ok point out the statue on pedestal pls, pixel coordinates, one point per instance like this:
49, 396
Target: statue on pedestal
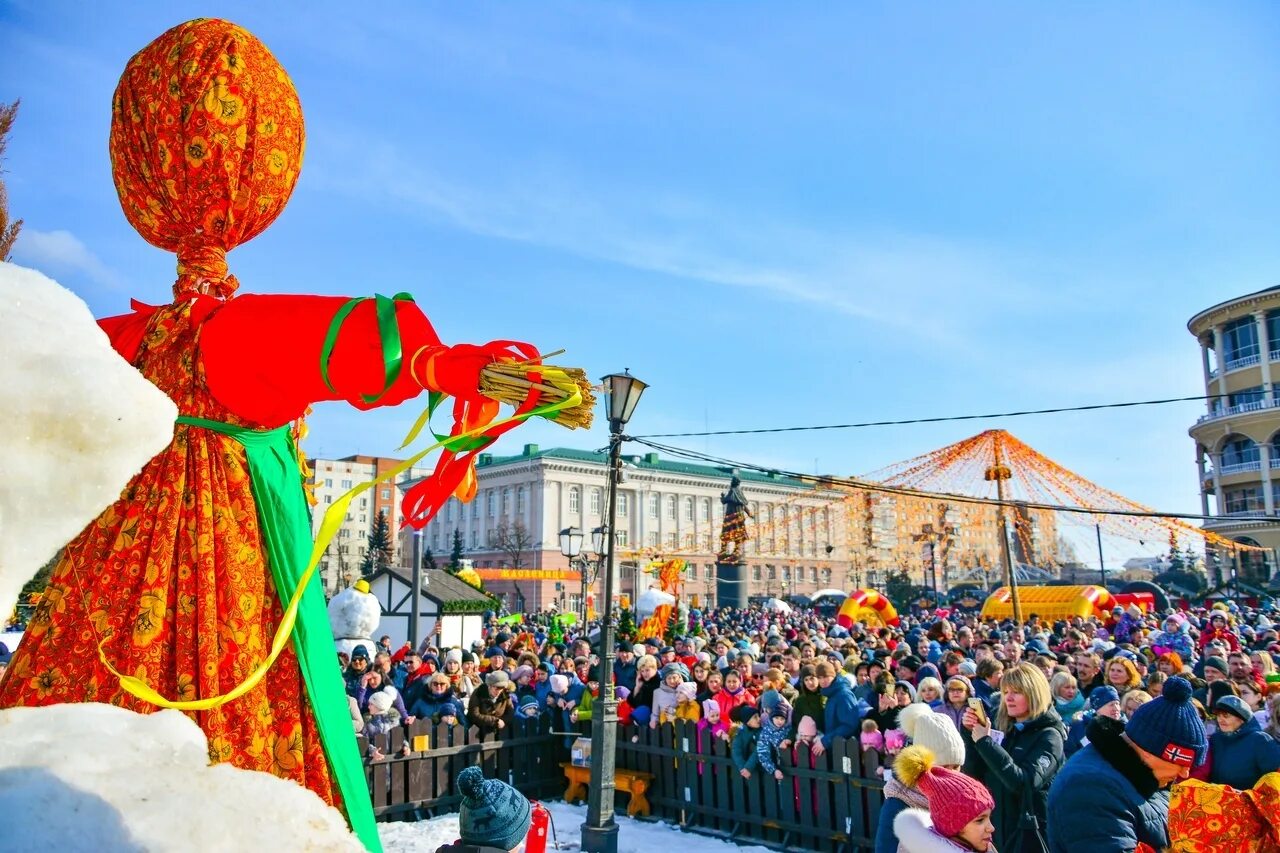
733, 531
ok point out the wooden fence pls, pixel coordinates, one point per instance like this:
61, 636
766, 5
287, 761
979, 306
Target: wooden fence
827, 803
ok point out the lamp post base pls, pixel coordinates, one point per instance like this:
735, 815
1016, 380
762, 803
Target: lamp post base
600, 839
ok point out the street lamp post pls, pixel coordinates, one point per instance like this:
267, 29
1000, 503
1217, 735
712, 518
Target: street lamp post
571, 539
415, 607
600, 832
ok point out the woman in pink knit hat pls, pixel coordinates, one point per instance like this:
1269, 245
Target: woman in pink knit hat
959, 815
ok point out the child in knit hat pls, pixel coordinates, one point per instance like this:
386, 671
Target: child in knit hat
959, 815
774, 731
493, 817
687, 706
664, 697
711, 720
935, 732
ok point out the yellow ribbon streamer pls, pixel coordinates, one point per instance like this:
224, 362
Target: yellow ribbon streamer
329, 527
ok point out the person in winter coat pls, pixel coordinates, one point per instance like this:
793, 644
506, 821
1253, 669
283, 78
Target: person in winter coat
712, 721
1104, 701
775, 730
1068, 701
936, 734
1112, 794
732, 693
493, 818
955, 699
808, 702
842, 713
647, 681
1240, 752
687, 705
959, 813
491, 708
665, 698
745, 735
1029, 756
440, 704
1218, 630
1175, 637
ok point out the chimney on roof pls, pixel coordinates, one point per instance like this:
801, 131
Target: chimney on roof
531, 450
484, 459
651, 459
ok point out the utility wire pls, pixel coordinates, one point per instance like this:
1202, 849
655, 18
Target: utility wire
943, 419
871, 486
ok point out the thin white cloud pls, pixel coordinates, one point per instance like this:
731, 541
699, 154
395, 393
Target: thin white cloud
930, 288
58, 253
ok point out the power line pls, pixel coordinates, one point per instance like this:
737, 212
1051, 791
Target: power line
935, 420
871, 486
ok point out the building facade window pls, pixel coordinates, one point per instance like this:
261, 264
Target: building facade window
671, 507
506, 500
475, 539
328, 482
1245, 396
624, 503
1249, 499
595, 501
346, 484
688, 509
1239, 340
623, 539
386, 494
755, 573
519, 500
651, 539
671, 541
575, 500
704, 510
653, 505
491, 503
1240, 451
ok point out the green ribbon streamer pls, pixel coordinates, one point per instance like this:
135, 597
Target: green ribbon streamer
388, 333
285, 520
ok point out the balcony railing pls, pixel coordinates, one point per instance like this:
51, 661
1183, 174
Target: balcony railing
1243, 361
1238, 409
1240, 467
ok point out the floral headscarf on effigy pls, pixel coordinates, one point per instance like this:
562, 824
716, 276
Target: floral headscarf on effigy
206, 146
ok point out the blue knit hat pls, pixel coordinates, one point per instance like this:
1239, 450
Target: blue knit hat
493, 813
1104, 695
1168, 726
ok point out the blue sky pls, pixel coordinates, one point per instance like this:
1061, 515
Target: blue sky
774, 213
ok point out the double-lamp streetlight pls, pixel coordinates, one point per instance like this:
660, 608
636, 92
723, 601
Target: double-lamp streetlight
600, 832
588, 566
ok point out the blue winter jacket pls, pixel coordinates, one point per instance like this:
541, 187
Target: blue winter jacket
843, 712
432, 706
1105, 800
1242, 757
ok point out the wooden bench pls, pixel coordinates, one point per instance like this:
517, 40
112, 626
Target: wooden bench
633, 782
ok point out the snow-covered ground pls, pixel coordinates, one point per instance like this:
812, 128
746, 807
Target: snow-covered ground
634, 836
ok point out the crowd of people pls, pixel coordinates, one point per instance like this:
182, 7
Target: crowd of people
992, 729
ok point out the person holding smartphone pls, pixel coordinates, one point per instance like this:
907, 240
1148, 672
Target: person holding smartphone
1026, 761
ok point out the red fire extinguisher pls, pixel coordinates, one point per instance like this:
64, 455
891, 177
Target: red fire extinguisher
539, 823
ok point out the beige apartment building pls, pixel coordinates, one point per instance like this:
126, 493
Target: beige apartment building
1238, 438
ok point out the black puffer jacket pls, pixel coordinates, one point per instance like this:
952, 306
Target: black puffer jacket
1033, 747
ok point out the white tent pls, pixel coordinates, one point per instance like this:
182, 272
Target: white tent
777, 604
828, 593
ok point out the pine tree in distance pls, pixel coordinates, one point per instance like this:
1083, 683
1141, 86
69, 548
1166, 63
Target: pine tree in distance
455, 556
429, 561
379, 553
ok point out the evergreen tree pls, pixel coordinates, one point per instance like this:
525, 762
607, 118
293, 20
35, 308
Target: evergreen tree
429, 560
379, 553
626, 625
899, 589
455, 556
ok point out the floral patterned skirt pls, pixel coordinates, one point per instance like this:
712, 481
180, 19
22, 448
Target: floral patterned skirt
173, 574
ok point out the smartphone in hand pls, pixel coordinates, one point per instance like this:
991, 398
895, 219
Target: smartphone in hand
979, 710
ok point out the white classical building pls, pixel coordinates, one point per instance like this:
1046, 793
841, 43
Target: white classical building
669, 509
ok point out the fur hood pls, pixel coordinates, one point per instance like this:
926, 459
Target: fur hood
915, 835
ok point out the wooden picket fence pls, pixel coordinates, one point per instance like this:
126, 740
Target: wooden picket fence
826, 803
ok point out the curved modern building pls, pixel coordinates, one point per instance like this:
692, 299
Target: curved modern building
1238, 437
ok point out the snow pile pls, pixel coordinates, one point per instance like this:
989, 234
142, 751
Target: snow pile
77, 423
634, 836
97, 777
